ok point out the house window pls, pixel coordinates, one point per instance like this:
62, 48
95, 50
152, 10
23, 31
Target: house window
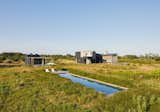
37, 61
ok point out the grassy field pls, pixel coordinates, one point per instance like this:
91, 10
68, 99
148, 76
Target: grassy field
133, 75
32, 90
143, 81
29, 89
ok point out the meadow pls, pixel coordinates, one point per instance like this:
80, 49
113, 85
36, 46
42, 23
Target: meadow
26, 89
30, 89
133, 75
143, 81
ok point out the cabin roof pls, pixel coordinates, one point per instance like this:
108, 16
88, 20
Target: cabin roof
33, 55
110, 54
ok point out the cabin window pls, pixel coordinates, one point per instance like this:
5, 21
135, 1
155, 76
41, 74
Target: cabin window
37, 61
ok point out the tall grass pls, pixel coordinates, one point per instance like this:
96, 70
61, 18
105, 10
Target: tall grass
27, 89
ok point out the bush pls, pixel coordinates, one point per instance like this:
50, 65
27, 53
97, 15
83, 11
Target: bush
12, 57
8, 61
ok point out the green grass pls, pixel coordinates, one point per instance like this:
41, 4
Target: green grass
129, 76
27, 89
142, 81
36, 91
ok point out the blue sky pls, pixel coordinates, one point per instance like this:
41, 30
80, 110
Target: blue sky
64, 26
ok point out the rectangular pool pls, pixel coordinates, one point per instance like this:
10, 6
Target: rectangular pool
106, 89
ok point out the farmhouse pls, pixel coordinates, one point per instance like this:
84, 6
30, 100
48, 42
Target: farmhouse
88, 57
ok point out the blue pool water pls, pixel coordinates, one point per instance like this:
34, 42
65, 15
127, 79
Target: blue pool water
91, 84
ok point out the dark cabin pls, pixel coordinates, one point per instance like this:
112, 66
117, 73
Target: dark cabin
35, 60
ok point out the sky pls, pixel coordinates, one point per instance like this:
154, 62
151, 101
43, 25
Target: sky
66, 26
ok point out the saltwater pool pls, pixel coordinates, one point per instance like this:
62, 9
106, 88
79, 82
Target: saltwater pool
106, 89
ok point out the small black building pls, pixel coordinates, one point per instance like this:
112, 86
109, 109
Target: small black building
35, 60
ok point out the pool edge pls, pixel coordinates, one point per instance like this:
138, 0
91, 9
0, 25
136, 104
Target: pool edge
98, 81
